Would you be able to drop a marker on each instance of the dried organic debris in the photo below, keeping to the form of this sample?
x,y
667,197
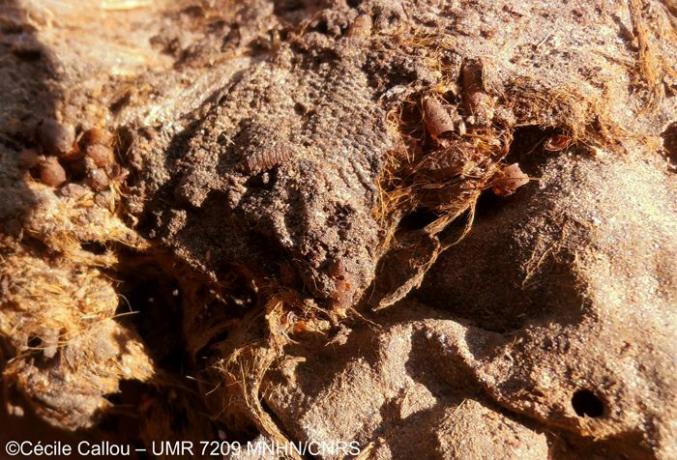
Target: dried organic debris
x,y
509,180
437,120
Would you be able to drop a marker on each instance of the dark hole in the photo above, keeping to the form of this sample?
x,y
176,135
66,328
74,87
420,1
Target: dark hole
x,y
418,219
35,245
34,341
451,97
28,54
130,393
94,247
265,180
206,352
455,230
526,149
123,141
76,168
354,3
194,10
670,142
216,26
115,398
121,102
35,173
12,28
156,298
300,109
322,27
122,419
288,6
489,204
179,421
587,404
528,140
223,139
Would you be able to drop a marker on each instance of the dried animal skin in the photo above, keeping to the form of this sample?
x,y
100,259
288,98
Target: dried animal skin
x,y
478,103
261,148
509,180
438,122
327,160
447,162
265,158
557,142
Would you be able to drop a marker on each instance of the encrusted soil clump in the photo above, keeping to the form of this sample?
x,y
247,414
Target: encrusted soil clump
x,y
435,229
